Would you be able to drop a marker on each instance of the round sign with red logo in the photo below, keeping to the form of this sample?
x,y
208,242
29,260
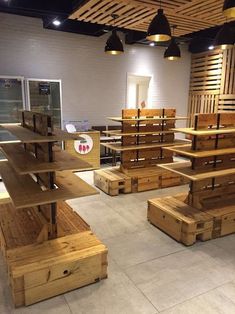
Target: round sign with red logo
x,y
83,146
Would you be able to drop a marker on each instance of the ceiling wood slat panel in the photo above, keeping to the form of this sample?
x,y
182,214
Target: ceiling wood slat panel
x,y
189,15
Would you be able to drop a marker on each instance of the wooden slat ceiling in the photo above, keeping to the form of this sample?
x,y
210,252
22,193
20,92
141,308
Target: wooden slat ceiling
x,y
189,15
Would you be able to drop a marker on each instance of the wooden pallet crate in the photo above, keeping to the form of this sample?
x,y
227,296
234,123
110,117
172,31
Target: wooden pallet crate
x,y
179,220
223,214
56,266
37,272
146,179
112,182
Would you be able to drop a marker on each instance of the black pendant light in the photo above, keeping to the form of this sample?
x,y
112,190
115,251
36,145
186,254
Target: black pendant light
x,y
159,29
225,38
114,45
229,8
172,53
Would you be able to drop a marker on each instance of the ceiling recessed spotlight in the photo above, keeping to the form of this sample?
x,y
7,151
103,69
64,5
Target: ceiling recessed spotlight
x,y
211,47
56,22
152,44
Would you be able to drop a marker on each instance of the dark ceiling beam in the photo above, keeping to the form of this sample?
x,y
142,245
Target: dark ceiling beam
x,y
133,37
77,27
76,4
38,8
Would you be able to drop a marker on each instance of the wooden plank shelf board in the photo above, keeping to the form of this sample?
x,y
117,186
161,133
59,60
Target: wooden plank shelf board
x,y
26,136
120,133
23,162
25,192
120,119
205,132
120,148
22,227
195,175
186,150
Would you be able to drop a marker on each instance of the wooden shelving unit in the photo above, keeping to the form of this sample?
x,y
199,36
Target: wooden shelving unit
x,y
47,246
211,170
144,132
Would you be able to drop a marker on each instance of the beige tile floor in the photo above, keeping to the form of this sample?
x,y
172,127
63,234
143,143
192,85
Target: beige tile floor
x,y
148,271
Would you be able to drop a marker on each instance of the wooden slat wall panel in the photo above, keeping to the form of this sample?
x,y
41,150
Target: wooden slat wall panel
x,y
228,79
212,83
189,15
206,71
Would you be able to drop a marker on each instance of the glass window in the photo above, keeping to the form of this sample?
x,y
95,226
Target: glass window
x,y
45,97
11,99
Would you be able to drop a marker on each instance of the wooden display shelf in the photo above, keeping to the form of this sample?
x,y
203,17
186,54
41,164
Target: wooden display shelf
x,y
25,192
211,173
120,148
120,133
186,171
24,163
49,249
205,132
120,119
24,135
186,150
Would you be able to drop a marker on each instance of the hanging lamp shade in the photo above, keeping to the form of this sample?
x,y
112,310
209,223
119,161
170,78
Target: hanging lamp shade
x,y
172,53
225,38
229,8
114,45
159,29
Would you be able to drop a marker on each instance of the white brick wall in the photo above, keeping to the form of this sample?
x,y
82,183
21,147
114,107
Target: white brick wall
x,y
94,84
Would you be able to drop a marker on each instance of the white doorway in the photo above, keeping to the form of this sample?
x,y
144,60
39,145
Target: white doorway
x,y
138,91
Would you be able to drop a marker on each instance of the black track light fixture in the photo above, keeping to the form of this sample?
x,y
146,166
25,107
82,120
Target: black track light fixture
x,y
159,29
225,38
229,8
114,44
172,52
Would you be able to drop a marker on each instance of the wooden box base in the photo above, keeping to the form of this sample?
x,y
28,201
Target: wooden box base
x,y
38,271
113,181
182,222
186,224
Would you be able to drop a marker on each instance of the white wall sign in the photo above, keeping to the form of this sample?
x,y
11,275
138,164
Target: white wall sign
x,y
83,146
